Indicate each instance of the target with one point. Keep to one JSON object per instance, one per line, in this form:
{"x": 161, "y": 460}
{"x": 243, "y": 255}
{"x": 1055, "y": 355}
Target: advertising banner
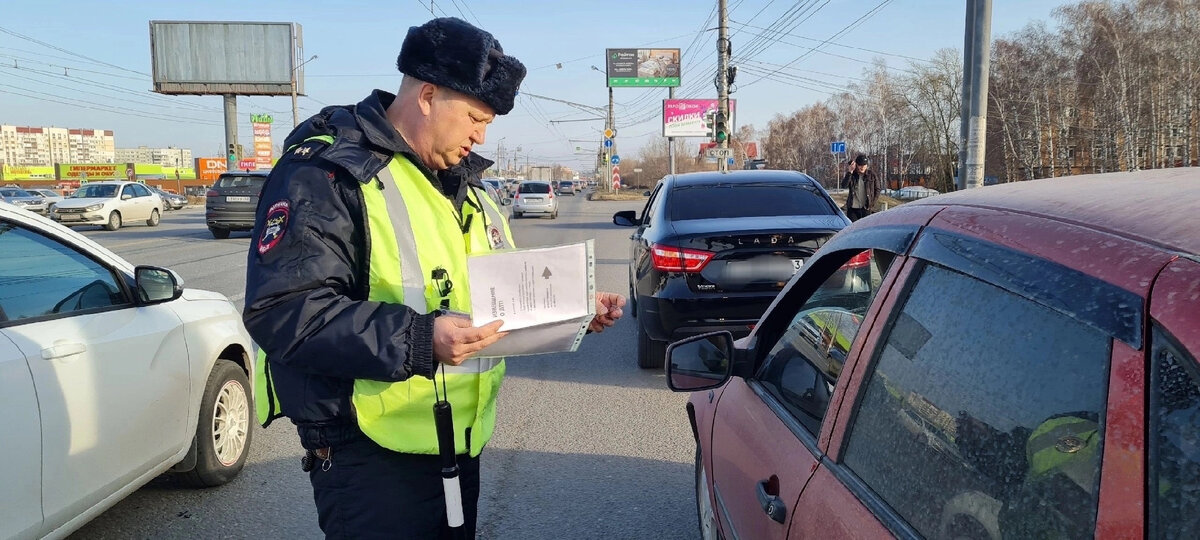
{"x": 643, "y": 67}
{"x": 262, "y": 139}
{"x": 95, "y": 171}
{"x": 693, "y": 117}
{"x": 208, "y": 169}
{"x": 26, "y": 172}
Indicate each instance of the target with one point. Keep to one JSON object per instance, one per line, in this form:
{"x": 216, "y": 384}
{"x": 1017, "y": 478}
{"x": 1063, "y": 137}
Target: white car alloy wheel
{"x": 230, "y": 423}
{"x": 223, "y": 433}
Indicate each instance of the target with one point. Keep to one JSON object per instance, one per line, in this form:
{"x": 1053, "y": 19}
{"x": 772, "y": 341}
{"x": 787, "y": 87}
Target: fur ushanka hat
{"x": 452, "y": 53}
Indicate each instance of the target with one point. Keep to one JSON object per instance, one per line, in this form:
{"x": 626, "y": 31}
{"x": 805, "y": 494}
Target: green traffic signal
{"x": 721, "y": 136}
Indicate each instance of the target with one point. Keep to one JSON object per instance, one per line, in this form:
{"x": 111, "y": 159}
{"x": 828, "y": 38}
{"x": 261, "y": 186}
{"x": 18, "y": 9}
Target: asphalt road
{"x": 587, "y": 445}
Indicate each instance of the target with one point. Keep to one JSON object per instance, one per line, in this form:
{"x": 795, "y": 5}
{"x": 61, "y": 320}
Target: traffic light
{"x": 232, "y": 152}
{"x": 721, "y": 129}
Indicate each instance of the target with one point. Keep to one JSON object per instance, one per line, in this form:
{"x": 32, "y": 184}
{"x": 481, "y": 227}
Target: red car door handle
{"x": 771, "y": 504}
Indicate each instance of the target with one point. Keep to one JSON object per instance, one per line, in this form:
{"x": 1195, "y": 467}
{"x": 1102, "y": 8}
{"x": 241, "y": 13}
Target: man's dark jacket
{"x": 872, "y": 184}
{"x": 307, "y": 285}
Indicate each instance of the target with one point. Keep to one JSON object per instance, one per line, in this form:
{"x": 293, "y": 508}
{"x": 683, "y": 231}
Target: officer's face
{"x": 457, "y": 123}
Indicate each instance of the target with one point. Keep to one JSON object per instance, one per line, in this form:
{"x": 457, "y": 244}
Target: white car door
{"x": 112, "y": 378}
{"x": 21, "y": 477}
{"x": 134, "y": 208}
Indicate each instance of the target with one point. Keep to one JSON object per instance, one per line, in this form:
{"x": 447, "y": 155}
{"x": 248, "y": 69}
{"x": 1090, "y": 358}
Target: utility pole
{"x": 723, "y": 77}
{"x": 231, "y": 137}
{"x": 671, "y": 140}
{"x": 978, "y": 60}
{"x": 610, "y": 125}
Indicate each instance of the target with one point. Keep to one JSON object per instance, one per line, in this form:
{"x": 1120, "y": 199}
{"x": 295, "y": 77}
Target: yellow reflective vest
{"x": 418, "y": 257}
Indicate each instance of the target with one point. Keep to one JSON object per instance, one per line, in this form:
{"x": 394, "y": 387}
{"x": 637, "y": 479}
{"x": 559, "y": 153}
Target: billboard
{"x": 242, "y": 58}
{"x": 693, "y": 117}
{"x": 208, "y": 169}
{"x": 643, "y": 67}
{"x": 262, "y": 140}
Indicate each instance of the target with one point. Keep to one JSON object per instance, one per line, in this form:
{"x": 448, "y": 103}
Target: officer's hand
{"x": 455, "y": 340}
{"x": 850, "y": 167}
{"x": 608, "y": 310}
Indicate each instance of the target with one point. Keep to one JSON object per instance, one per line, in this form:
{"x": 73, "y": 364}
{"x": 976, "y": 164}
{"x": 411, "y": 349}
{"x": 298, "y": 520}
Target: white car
{"x": 110, "y": 375}
{"x": 109, "y": 205}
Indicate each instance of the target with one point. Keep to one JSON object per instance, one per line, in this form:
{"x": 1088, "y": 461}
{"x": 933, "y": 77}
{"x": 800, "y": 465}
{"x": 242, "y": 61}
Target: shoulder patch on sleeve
{"x": 274, "y": 226}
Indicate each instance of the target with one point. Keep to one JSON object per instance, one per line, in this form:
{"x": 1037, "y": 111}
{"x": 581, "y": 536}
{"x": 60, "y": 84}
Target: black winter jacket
{"x": 307, "y": 270}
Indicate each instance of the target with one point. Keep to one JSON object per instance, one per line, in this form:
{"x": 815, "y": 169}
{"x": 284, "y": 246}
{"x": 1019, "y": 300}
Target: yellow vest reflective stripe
{"x": 408, "y": 218}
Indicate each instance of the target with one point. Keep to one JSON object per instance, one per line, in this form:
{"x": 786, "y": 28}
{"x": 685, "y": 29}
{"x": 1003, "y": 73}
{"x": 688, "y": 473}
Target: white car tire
{"x": 154, "y": 218}
{"x": 223, "y": 432}
{"x": 114, "y": 221}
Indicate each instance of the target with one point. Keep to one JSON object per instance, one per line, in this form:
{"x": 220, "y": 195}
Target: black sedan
{"x": 712, "y": 250}
{"x": 229, "y": 205}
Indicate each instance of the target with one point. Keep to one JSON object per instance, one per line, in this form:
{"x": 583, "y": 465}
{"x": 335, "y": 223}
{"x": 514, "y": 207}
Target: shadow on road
{"x": 530, "y": 495}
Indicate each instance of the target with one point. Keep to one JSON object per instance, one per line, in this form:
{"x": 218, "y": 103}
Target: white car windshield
{"x": 96, "y": 191}
{"x": 14, "y": 192}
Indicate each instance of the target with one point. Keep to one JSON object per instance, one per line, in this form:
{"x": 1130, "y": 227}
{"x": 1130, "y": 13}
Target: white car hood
{"x": 80, "y": 203}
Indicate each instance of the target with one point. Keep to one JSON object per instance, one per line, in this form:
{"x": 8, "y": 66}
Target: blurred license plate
{"x": 234, "y": 198}
{"x": 797, "y": 264}
{"x": 70, "y": 217}
{"x": 535, "y": 199}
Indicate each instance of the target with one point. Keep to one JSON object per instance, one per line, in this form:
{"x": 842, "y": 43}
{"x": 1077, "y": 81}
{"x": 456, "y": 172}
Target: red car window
{"x": 981, "y": 416}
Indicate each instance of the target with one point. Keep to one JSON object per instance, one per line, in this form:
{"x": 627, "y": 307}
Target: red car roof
{"x": 1160, "y": 207}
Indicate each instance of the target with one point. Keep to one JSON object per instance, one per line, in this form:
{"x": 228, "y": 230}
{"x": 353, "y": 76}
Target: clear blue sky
{"x": 357, "y": 43}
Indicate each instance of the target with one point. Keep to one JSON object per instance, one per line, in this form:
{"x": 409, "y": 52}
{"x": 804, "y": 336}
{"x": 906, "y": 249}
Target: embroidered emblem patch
{"x": 274, "y": 227}
{"x": 496, "y": 236}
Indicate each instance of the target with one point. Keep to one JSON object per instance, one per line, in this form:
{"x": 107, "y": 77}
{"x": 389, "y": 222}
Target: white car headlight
{"x": 94, "y": 207}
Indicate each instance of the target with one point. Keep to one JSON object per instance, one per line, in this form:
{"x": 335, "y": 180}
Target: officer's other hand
{"x": 455, "y": 340}
{"x": 608, "y": 310}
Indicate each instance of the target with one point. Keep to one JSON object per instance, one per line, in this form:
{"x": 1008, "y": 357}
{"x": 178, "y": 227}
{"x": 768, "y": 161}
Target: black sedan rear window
{"x": 746, "y": 200}
{"x": 240, "y": 181}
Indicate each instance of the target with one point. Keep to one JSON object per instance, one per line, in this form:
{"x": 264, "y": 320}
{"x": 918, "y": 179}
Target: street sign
{"x": 129, "y": 173}
{"x": 610, "y": 133}
{"x": 837, "y": 147}
{"x": 718, "y": 153}
{"x": 608, "y": 143}
{"x": 248, "y": 164}
{"x": 637, "y": 170}
{"x": 616, "y": 181}
{"x": 616, "y": 160}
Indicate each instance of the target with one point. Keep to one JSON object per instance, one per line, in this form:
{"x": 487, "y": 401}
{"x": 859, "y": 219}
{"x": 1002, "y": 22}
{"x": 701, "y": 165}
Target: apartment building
{"x": 167, "y": 157}
{"x": 45, "y": 146}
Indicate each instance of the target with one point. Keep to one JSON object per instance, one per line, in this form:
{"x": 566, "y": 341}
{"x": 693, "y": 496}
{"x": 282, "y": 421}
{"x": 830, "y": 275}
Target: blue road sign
{"x": 837, "y": 147}
{"x": 608, "y": 143}
{"x": 616, "y": 160}
{"x": 730, "y": 162}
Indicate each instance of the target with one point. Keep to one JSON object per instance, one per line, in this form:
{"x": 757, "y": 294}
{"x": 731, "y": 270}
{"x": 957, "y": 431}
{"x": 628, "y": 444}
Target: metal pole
{"x": 231, "y": 136}
{"x": 981, "y": 58}
{"x": 965, "y": 108}
{"x": 295, "y": 109}
{"x": 610, "y": 125}
{"x": 723, "y": 75}
{"x": 671, "y": 140}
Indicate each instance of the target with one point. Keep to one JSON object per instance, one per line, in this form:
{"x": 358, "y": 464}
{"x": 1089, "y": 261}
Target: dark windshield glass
{"x": 14, "y": 192}
{"x": 745, "y": 200}
{"x": 96, "y": 191}
{"x": 535, "y": 188}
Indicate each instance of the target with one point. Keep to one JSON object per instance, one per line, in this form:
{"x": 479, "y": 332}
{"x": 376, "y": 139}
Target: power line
{"x": 873, "y": 51}
{"x": 96, "y": 106}
{"x": 854, "y": 24}
{"x": 60, "y": 49}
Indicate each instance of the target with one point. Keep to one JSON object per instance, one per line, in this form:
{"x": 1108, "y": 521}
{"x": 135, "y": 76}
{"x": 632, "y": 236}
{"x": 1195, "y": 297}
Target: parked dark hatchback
{"x": 712, "y": 250}
{"x": 230, "y": 204}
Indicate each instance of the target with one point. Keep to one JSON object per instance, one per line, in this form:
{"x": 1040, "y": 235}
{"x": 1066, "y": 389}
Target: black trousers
{"x": 368, "y": 491}
{"x": 856, "y": 214}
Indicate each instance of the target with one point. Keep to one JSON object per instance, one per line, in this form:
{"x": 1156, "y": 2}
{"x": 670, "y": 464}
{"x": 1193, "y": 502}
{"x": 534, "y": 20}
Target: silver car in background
{"x": 535, "y": 197}
{"x": 24, "y": 200}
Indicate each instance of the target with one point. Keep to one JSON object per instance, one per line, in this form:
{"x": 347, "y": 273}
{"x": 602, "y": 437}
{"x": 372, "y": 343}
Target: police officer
{"x": 357, "y": 266}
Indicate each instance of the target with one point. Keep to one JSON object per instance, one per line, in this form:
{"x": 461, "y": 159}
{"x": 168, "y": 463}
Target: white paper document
{"x": 545, "y": 296}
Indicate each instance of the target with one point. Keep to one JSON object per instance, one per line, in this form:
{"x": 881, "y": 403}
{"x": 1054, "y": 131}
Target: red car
{"x": 1016, "y": 361}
